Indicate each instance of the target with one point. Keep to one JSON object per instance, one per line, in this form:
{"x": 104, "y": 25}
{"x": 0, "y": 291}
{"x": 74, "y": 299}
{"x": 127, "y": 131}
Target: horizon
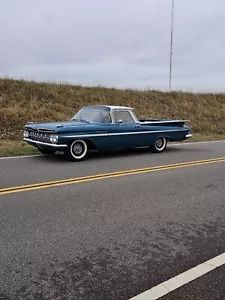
{"x": 124, "y": 44}
{"x": 112, "y": 87}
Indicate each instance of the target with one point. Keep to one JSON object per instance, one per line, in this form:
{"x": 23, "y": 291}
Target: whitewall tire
{"x": 159, "y": 145}
{"x": 77, "y": 150}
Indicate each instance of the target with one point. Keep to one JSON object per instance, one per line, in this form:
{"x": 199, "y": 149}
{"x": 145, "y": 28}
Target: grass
{"x": 23, "y": 101}
{"x": 15, "y": 147}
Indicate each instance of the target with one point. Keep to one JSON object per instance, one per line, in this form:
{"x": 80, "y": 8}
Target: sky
{"x": 114, "y": 43}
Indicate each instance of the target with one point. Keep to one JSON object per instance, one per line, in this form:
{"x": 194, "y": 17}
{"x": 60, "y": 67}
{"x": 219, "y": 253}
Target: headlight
{"x": 54, "y": 138}
{"x": 26, "y": 133}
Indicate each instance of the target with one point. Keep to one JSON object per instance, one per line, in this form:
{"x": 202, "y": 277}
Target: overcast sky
{"x": 120, "y": 43}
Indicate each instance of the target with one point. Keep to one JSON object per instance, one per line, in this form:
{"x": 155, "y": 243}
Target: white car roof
{"x": 111, "y": 107}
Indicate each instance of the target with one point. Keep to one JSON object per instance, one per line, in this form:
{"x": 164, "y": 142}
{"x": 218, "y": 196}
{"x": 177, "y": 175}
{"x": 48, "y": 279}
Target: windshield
{"x": 93, "y": 114}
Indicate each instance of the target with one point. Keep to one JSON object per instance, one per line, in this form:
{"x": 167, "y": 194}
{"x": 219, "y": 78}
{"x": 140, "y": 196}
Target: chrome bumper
{"x": 45, "y": 144}
{"x": 189, "y": 135}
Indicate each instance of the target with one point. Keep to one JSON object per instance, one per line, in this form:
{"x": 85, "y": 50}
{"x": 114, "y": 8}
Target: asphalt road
{"x": 209, "y": 286}
{"x": 112, "y": 238}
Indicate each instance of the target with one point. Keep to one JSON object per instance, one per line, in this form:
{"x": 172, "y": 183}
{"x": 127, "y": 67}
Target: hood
{"x": 55, "y": 126}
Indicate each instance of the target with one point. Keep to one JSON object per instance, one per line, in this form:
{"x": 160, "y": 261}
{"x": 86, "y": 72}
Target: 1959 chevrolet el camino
{"x": 101, "y": 127}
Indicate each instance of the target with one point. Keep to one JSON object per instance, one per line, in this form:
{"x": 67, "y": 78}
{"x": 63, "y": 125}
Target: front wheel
{"x": 77, "y": 150}
{"x": 159, "y": 145}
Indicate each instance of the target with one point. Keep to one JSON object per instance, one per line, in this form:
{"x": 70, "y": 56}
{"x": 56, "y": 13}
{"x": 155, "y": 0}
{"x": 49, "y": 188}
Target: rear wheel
{"x": 159, "y": 145}
{"x": 77, "y": 150}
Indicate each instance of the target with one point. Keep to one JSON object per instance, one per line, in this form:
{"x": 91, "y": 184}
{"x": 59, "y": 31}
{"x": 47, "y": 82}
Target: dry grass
{"x": 15, "y": 147}
{"x": 23, "y": 101}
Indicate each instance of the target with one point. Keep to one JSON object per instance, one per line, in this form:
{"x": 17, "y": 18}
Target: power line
{"x": 171, "y": 45}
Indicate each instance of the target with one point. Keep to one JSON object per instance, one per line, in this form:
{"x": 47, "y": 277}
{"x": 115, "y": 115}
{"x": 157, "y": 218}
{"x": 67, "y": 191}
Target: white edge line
{"x": 178, "y": 281}
{"x": 19, "y": 156}
{"x": 172, "y": 144}
{"x": 195, "y": 143}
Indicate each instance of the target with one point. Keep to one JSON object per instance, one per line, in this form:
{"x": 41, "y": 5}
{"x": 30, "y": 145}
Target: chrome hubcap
{"x": 159, "y": 143}
{"x": 78, "y": 149}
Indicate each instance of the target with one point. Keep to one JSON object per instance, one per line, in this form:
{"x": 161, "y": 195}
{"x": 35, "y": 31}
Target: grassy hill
{"x": 23, "y": 101}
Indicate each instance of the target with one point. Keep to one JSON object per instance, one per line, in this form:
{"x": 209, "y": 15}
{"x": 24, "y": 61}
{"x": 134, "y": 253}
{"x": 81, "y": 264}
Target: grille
{"x": 39, "y": 136}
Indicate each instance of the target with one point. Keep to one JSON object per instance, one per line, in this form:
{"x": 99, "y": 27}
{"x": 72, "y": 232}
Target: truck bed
{"x": 163, "y": 122}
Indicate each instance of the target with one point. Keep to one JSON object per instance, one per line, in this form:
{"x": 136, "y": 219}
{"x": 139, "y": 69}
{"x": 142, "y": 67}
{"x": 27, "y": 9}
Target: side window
{"x": 122, "y": 117}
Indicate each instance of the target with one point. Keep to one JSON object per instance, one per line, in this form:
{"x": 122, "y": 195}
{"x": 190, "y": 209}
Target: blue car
{"x": 101, "y": 127}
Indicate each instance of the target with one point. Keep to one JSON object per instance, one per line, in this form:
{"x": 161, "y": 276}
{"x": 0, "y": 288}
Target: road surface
{"x": 142, "y": 220}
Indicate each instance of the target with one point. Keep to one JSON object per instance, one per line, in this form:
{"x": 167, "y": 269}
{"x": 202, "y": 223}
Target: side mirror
{"x": 120, "y": 121}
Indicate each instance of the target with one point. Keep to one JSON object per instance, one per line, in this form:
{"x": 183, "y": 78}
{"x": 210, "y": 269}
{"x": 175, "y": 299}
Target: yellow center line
{"x": 56, "y": 183}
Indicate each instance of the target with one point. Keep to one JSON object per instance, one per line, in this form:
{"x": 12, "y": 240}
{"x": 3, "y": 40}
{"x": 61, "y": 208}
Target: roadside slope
{"x": 23, "y": 101}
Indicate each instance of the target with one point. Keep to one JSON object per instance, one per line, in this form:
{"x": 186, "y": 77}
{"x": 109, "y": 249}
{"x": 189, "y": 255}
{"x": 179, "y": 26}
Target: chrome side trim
{"x": 121, "y": 133}
{"x": 85, "y": 135}
{"x": 188, "y": 135}
{"x": 145, "y": 132}
{"x": 45, "y": 144}
{"x": 163, "y": 122}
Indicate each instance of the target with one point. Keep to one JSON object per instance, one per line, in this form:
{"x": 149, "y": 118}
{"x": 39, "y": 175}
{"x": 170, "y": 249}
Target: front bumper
{"x": 36, "y": 143}
{"x": 189, "y": 135}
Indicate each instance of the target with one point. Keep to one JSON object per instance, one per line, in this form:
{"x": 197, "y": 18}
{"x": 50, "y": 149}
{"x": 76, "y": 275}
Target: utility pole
{"x": 171, "y": 45}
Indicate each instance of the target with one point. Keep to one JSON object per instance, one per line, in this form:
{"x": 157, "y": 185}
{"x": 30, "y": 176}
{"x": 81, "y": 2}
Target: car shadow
{"x": 95, "y": 155}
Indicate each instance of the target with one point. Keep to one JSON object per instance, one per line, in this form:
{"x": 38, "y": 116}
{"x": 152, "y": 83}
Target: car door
{"x": 122, "y": 130}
